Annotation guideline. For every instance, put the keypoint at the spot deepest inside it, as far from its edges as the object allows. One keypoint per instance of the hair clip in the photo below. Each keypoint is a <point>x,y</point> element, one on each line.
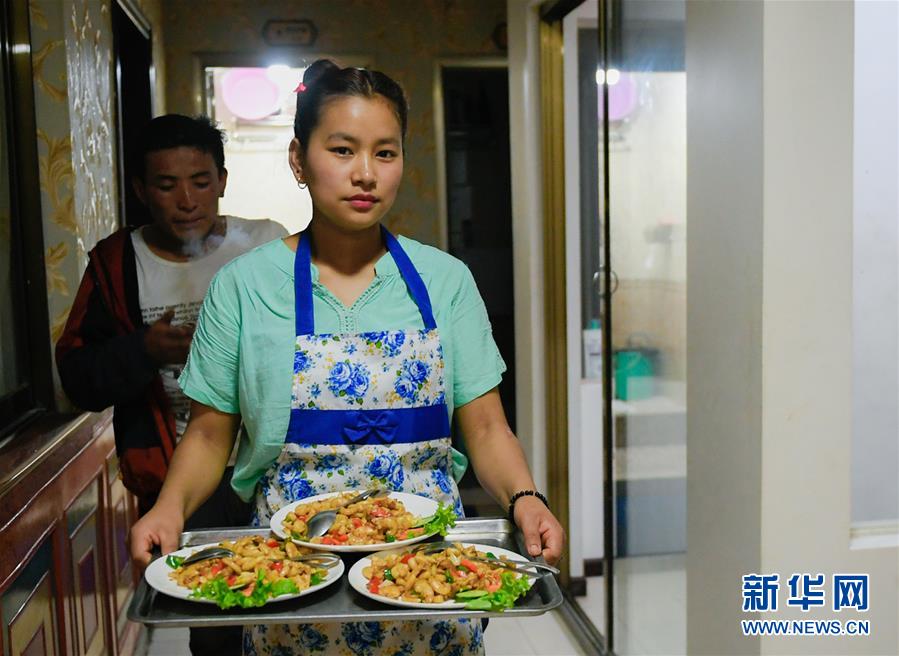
<point>300,89</point>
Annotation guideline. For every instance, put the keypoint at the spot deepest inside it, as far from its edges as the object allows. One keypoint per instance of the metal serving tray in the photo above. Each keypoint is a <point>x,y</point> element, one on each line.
<point>338,602</point>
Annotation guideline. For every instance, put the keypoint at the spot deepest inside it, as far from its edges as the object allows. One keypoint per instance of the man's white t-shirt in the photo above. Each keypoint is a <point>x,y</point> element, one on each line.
<point>181,286</point>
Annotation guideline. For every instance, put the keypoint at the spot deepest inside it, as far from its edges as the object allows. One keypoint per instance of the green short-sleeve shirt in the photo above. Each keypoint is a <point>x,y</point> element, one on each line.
<point>241,359</point>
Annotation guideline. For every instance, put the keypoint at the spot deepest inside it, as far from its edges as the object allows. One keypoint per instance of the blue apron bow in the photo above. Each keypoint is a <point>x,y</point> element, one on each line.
<point>370,427</point>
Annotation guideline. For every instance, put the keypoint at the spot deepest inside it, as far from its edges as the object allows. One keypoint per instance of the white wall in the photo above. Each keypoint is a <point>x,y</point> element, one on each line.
<point>770,168</point>
<point>724,318</point>
<point>527,230</point>
<point>261,186</point>
<point>875,394</point>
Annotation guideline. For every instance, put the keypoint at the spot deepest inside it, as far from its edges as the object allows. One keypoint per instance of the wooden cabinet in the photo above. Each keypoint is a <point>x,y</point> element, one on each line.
<point>65,575</point>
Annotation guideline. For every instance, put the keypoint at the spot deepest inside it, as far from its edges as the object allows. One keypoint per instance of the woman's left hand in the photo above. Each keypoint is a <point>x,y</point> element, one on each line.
<point>543,535</point>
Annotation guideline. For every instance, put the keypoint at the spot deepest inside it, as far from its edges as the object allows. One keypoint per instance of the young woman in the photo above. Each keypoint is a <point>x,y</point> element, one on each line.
<point>344,351</point>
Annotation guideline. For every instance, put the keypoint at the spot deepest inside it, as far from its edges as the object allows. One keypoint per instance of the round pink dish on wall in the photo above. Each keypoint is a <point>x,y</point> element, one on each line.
<point>249,93</point>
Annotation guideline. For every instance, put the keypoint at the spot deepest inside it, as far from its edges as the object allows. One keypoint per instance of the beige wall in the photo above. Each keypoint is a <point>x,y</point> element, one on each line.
<point>74,92</point>
<point>403,38</point>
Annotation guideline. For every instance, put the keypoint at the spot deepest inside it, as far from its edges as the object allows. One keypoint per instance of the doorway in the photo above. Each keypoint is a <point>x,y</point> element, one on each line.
<point>133,56</point>
<point>476,199</point>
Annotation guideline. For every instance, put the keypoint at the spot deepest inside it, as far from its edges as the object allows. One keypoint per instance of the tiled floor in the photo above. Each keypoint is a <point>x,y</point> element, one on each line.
<point>651,611</point>
<point>543,635</point>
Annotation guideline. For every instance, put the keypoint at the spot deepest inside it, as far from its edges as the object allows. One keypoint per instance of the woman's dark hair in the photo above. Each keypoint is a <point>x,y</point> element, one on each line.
<point>324,80</point>
<point>175,131</point>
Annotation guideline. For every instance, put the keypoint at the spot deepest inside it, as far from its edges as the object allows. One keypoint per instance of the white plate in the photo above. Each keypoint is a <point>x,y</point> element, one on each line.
<point>415,504</point>
<point>360,583</point>
<point>157,575</point>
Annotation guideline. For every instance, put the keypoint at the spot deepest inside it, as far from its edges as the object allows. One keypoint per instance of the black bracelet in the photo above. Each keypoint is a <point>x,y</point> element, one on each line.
<point>524,493</point>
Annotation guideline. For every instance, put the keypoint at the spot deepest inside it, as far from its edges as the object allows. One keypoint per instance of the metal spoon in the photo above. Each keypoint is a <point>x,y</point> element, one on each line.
<point>206,554</point>
<point>325,560</point>
<point>321,522</point>
<point>515,565</point>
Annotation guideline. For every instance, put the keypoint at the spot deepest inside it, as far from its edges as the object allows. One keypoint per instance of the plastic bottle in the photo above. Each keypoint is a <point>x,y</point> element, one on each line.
<point>593,350</point>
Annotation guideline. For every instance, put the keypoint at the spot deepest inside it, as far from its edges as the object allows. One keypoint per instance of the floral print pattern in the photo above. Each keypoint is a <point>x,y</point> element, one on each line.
<point>409,638</point>
<point>373,370</point>
<point>349,381</point>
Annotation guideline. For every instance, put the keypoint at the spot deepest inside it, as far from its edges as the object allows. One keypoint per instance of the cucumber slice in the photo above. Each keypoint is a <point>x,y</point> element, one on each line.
<point>471,594</point>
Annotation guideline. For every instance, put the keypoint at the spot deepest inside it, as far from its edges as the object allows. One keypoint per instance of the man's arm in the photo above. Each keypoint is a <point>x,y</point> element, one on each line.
<point>97,367</point>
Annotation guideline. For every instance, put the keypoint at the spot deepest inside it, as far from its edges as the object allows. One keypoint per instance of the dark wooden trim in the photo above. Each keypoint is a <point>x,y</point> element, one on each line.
<point>594,566</point>
<point>36,506</point>
<point>33,323</point>
<point>577,586</point>
<point>136,15</point>
<point>555,326</point>
<point>42,475</point>
<point>556,10</point>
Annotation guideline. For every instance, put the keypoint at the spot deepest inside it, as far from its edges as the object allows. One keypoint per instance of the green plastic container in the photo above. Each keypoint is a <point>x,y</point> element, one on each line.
<point>634,374</point>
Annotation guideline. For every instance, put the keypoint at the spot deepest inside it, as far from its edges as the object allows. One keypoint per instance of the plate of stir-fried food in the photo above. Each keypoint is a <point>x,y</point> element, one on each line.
<point>384,522</point>
<point>261,570</point>
<point>458,575</point>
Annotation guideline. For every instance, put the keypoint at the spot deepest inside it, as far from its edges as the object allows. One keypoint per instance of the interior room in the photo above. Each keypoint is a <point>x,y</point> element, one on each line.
<point>669,240</point>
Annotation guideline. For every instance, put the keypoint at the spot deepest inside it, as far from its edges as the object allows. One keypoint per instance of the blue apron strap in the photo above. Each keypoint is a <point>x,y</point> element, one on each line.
<point>302,275</point>
<point>413,281</point>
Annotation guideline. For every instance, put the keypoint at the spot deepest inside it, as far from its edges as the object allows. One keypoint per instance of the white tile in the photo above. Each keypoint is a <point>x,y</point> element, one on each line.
<point>506,637</point>
<point>650,605</point>
<point>169,642</point>
<point>548,635</point>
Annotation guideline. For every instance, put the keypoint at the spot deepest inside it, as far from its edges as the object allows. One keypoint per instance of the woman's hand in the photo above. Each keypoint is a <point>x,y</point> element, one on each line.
<point>543,535</point>
<point>158,527</point>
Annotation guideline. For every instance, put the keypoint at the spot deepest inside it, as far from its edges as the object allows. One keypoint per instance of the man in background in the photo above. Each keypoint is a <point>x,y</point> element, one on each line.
<point>131,325</point>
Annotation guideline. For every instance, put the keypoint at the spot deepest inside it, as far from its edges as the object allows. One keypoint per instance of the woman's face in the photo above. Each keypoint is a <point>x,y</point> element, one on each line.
<point>353,163</point>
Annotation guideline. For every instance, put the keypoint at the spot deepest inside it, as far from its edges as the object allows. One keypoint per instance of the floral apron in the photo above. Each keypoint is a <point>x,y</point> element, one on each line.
<point>366,409</point>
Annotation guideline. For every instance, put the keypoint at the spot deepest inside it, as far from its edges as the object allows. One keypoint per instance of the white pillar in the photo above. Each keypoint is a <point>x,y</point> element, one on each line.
<point>770,189</point>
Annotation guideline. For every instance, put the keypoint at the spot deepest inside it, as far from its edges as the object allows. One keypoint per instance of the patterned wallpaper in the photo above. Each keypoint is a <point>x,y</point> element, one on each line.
<point>74,95</point>
<point>90,76</point>
<point>403,38</point>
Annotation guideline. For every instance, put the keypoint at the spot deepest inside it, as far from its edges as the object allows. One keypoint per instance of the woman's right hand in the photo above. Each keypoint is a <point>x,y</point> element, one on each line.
<point>158,527</point>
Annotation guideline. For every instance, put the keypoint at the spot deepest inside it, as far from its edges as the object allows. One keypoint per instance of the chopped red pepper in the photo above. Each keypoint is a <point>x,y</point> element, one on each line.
<point>378,511</point>
<point>374,584</point>
<point>467,564</point>
<point>216,568</point>
<point>231,579</point>
<point>342,537</point>
<point>328,540</point>
<point>401,535</point>
<point>405,559</point>
<point>276,566</point>
<point>356,522</point>
<point>272,543</point>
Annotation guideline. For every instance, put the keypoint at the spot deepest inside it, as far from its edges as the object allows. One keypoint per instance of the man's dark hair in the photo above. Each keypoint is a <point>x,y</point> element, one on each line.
<point>176,131</point>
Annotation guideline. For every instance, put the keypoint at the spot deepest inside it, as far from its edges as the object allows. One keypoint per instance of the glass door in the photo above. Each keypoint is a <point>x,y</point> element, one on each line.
<point>625,189</point>
<point>641,82</point>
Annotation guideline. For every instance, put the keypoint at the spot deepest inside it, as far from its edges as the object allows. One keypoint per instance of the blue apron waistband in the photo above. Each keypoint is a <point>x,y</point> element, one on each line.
<point>363,427</point>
